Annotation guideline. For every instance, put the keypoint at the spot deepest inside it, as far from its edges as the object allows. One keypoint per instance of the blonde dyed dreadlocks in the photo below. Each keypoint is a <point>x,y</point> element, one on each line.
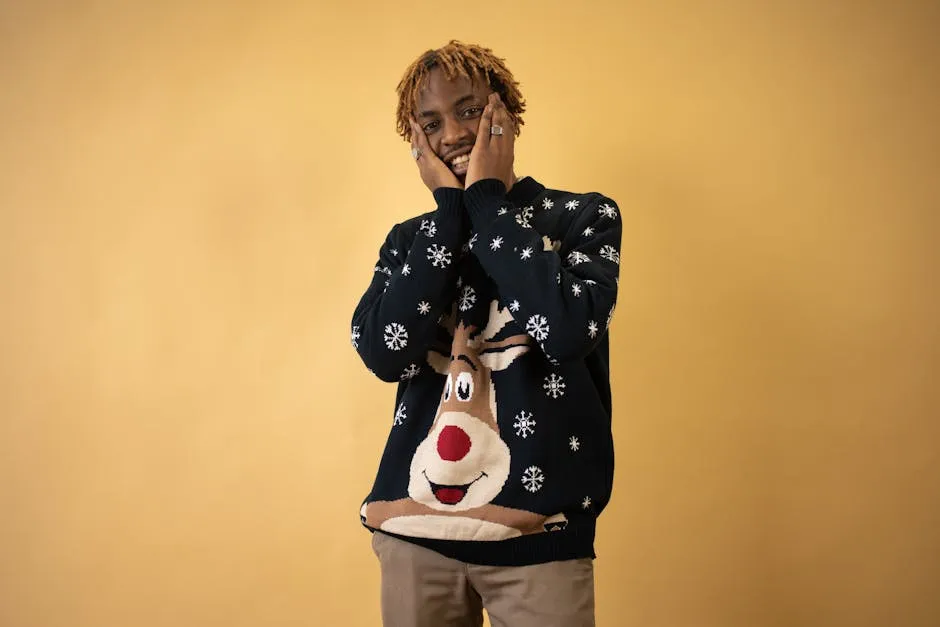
<point>458,59</point>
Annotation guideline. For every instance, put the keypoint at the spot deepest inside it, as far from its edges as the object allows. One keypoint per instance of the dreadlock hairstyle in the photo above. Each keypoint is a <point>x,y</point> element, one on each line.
<point>459,59</point>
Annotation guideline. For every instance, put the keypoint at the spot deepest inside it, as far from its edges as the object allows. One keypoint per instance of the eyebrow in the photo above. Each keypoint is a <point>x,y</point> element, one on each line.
<point>460,101</point>
<point>466,359</point>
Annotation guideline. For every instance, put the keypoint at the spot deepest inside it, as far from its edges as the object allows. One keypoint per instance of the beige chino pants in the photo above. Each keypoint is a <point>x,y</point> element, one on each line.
<point>422,588</point>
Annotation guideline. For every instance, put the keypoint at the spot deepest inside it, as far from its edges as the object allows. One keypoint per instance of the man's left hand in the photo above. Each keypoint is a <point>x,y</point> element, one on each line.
<point>492,155</point>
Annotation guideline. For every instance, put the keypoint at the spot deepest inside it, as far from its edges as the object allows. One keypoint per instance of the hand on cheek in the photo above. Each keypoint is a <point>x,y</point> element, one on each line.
<point>493,153</point>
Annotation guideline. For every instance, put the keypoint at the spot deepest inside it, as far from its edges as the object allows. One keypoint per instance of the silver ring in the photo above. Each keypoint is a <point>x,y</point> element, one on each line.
<point>416,153</point>
<point>496,129</point>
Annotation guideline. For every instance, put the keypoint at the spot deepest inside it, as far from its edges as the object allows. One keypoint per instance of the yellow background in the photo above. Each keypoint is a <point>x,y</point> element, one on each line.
<point>192,196</point>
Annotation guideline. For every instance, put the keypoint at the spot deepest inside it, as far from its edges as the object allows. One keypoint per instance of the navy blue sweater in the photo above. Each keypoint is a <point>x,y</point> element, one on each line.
<point>491,314</point>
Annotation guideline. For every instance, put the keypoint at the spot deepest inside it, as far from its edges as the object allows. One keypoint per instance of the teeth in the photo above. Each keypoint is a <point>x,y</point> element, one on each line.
<point>460,159</point>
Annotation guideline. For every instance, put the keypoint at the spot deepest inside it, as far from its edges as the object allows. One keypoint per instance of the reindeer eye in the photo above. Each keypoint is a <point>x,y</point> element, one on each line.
<point>464,386</point>
<point>447,388</point>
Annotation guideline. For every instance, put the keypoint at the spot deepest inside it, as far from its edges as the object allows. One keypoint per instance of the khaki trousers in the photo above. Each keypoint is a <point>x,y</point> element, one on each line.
<point>422,588</point>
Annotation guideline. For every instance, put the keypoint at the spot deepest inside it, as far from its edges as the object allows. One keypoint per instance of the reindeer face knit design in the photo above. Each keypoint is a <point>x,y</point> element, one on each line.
<point>492,314</point>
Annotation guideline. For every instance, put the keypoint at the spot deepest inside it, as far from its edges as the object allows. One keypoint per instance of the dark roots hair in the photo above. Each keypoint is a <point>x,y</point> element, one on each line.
<point>458,59</point>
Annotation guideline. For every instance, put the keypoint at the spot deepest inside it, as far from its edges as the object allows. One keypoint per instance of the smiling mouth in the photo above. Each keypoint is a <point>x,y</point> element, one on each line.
<point>450,494</point>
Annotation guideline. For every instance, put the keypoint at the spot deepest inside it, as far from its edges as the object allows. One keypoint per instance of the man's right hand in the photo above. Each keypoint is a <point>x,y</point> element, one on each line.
<point>434,172</point>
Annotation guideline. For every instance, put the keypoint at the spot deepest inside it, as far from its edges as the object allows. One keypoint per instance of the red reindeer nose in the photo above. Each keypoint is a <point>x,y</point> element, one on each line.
<point>453,443</point>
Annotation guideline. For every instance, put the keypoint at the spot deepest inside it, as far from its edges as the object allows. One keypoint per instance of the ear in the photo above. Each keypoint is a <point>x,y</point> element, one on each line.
<point>500,360</point>
<point>549,244</point>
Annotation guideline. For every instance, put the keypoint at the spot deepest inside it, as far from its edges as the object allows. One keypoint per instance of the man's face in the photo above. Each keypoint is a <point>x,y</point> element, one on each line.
<point>449,112</point>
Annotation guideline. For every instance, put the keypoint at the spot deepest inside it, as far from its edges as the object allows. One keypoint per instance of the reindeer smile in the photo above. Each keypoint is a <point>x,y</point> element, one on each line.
<point>450,494</point>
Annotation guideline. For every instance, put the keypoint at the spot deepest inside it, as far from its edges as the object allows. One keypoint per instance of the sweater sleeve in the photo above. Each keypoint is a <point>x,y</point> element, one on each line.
<point>564,297</point>
<point>395,321</point>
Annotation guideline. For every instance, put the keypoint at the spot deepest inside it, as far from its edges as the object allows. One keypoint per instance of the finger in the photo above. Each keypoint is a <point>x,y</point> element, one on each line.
<point>419,141</point>
<point>486,121</point>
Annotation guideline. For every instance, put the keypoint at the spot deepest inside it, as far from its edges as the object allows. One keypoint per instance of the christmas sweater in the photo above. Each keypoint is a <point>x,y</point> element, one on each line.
<point>491,314</point>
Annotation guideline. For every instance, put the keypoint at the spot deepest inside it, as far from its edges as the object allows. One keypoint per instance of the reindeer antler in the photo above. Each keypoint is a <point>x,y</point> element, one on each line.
<point>498,319</point>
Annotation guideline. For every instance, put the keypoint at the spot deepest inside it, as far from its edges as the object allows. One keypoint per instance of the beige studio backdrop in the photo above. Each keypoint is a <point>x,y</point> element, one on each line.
<point>192,195</point>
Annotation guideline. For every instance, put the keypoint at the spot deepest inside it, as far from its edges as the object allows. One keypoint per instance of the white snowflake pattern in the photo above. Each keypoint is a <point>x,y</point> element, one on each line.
<point>592,329</point>
<point>590,281</point>
<point>586,503</point>
<point>396,336</point>
<point>439,256</point>
<point>533,478</point>
<point>547,203</point>
<point>468,297</point>
<point>588,232</point>
<point>524,424</point>
<point>576,289</point>
<point>410,372</point>
<point>394,251</point>
<point>571,205</point>
<point>424,308</point>
<point>610,253</point>
<point>354,336</point>
<point>401,414</point>
<point>608,211</point>
<point>526,253</point>
<point>554,386</point>
<point>383,270</point>
<point>537,327</point>
<point>524,216</point>
<point>514,306</point>
<point>405,270</point>
<point>428,228</point>
<point>577,257</point>
<point>473,241</point>
<point>574,443</point>
<point>496,243</point>
<point>502,211</point>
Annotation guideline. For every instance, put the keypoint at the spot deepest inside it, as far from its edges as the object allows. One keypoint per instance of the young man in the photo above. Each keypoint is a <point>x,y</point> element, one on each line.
<point>491,314</point>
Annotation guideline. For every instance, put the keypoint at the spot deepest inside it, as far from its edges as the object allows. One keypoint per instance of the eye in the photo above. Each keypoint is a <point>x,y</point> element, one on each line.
<point>447,388</point>
<point>472,112</point>
<point>430,127</point>
<point>464,386</point>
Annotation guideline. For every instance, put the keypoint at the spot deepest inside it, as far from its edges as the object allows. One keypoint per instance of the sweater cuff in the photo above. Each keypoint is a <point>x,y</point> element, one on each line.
<point>449,200</point>
<point>484,194</point>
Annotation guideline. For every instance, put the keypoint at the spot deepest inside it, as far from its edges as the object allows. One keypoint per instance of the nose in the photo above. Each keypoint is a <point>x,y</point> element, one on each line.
<point>453,443</point>
<point>454,132</point>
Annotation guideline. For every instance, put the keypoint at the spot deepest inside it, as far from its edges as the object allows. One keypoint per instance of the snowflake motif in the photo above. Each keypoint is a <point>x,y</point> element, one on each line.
<point>588,232</point>
<point>554,386</point>
<point>514,306</point>
<point>586,503</point>
<point>401,414</point>
<point>473,241</point>
<point>502,211</point>
<point>574,443</point>
<point>610,253</point>
<point>577,257</point>
<point>608,211</point>
<point>538,327</point>
<point>387,283</point>
<point>424,308</point>
<point>524,216</point>
<point>439,256</point>
<point>405,270</point>
<point>524,424</point>
<point>410,372</point>
<point>354,336</point>
<point>576,289</point>
<point>571,205</point>
<point>468,297</point>
<point>558,278</point>
<point>533,478</point>
<point>428,228</point>
<point>590,281</point>
<point>496,243</point>
<point>394,251</point>
<point>592,329</point>
<point>526,253</point>
<point>383,270</point>
<point>396,337</point>
<point>547,203</point>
